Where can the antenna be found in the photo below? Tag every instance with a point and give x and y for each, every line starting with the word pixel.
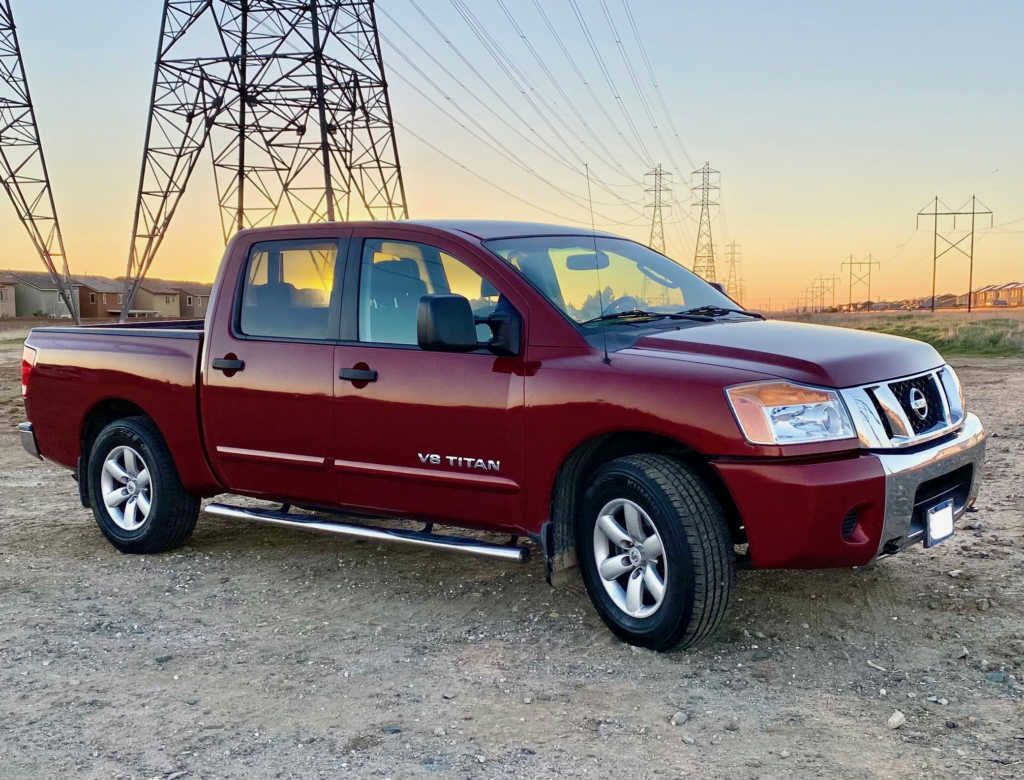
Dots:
pixel 597 265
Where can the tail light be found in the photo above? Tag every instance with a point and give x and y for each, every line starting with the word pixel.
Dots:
pixel 28 361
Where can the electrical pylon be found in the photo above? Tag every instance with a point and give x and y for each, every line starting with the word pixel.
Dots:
pixel 821 288
pixel 860 274
pixel 290 98
pixel 658 189
pixel 706 191
pixel 23 172
pixel 954 245
pixel 733 283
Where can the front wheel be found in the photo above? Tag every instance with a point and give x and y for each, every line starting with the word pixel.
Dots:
pixel 655 552
pixel 137 498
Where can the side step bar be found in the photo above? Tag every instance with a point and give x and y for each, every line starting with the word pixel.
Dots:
pixel 508 552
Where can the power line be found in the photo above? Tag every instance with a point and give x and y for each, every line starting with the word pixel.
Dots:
pixel 580 116
pixel 520 82
pixel 631 71
pixel 484 179
pixel 648 158
pixel 654 81
pixel 583 79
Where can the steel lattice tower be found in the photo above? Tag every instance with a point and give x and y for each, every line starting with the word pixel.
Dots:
pixel 23 171
pixel 658 189
pixel 290 98
pixel 733 285
pixel 707 190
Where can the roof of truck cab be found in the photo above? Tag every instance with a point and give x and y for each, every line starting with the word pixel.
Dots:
pixel 486 229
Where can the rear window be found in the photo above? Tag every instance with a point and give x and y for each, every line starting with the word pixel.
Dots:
pixel 288 290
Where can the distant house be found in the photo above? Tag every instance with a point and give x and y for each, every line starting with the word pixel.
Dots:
pixel 7 286
pixel 100 296
pixel 160 297
pixel 195 298
pixel 35 295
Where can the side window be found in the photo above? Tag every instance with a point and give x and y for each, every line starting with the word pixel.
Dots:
pixel 288 288
pixel 394 276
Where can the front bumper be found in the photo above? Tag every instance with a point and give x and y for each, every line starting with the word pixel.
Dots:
pixel 28 439
pixel 917 480
pixel 849 510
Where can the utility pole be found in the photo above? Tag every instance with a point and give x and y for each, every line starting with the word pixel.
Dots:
pixel 658 189
pixel 940 209
pixel 23 173
pixel 291 100
pixel 860 274
pixel 706 196
pixel 733 285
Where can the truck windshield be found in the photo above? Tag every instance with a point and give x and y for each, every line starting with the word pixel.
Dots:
pixel 590 279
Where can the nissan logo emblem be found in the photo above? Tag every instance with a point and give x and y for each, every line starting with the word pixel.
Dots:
pixel 918 402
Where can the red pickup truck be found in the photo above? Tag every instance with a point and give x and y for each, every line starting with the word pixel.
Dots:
pixel 567 386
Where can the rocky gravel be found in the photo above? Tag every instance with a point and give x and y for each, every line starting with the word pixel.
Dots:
pixel 262 652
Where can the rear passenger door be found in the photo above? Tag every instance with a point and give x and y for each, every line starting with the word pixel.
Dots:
pixel 435 435
pixel 268 373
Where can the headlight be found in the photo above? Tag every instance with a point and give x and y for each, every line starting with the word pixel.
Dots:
pixel 787 413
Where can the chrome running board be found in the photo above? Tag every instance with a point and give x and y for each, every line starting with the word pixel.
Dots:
pixel 508 552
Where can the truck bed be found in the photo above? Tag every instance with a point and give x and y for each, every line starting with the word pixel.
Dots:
pixel 82 374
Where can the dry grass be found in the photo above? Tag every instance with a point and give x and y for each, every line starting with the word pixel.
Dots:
pixel 986 332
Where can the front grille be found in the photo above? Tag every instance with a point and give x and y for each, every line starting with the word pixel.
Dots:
pixel 909 391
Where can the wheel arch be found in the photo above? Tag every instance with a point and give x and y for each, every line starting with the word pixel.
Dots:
pixel 98 417
pixel 586 458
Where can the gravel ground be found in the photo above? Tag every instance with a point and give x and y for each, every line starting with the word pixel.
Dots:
pixel 260 652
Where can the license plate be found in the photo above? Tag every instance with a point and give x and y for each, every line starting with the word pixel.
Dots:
pixel 939 523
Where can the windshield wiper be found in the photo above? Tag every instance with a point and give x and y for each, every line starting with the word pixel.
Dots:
pixel 721 311
pixel 642 314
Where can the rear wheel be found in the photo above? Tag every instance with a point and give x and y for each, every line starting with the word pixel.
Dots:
pixel 137 498
pixel 655 552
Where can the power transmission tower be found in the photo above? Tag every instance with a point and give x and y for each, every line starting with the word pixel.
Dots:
pixel 291 100
pixel 821 288
pixel 733 283
pixel 860 274
pixel 23 171
pixel 951 244
pixel 658 189
pixel 707 196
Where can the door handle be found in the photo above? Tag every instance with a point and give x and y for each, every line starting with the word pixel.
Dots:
pixel 228 364
pixel 358 374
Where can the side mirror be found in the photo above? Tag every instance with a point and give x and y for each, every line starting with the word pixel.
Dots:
pixel 445 323
pixel 506 332
pixel 718 286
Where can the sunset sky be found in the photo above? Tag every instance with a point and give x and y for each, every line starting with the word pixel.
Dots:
pixel 832 124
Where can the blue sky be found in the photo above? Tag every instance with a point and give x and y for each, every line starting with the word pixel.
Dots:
pixel 832 124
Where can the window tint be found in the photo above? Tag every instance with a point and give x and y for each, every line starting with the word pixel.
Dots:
pixel 287 290
pixel 396 274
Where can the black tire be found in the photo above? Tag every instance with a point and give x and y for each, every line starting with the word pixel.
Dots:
pixel 173 511
pixel 699 556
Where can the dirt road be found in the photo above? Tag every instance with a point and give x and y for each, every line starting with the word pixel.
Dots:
pixel 258 652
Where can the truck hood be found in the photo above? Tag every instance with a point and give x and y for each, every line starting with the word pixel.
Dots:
pixel 813 354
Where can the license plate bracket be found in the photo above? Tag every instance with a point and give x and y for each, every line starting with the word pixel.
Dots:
pixel 939 523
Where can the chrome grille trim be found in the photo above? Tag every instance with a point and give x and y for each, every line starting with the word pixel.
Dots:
pixel 896 430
